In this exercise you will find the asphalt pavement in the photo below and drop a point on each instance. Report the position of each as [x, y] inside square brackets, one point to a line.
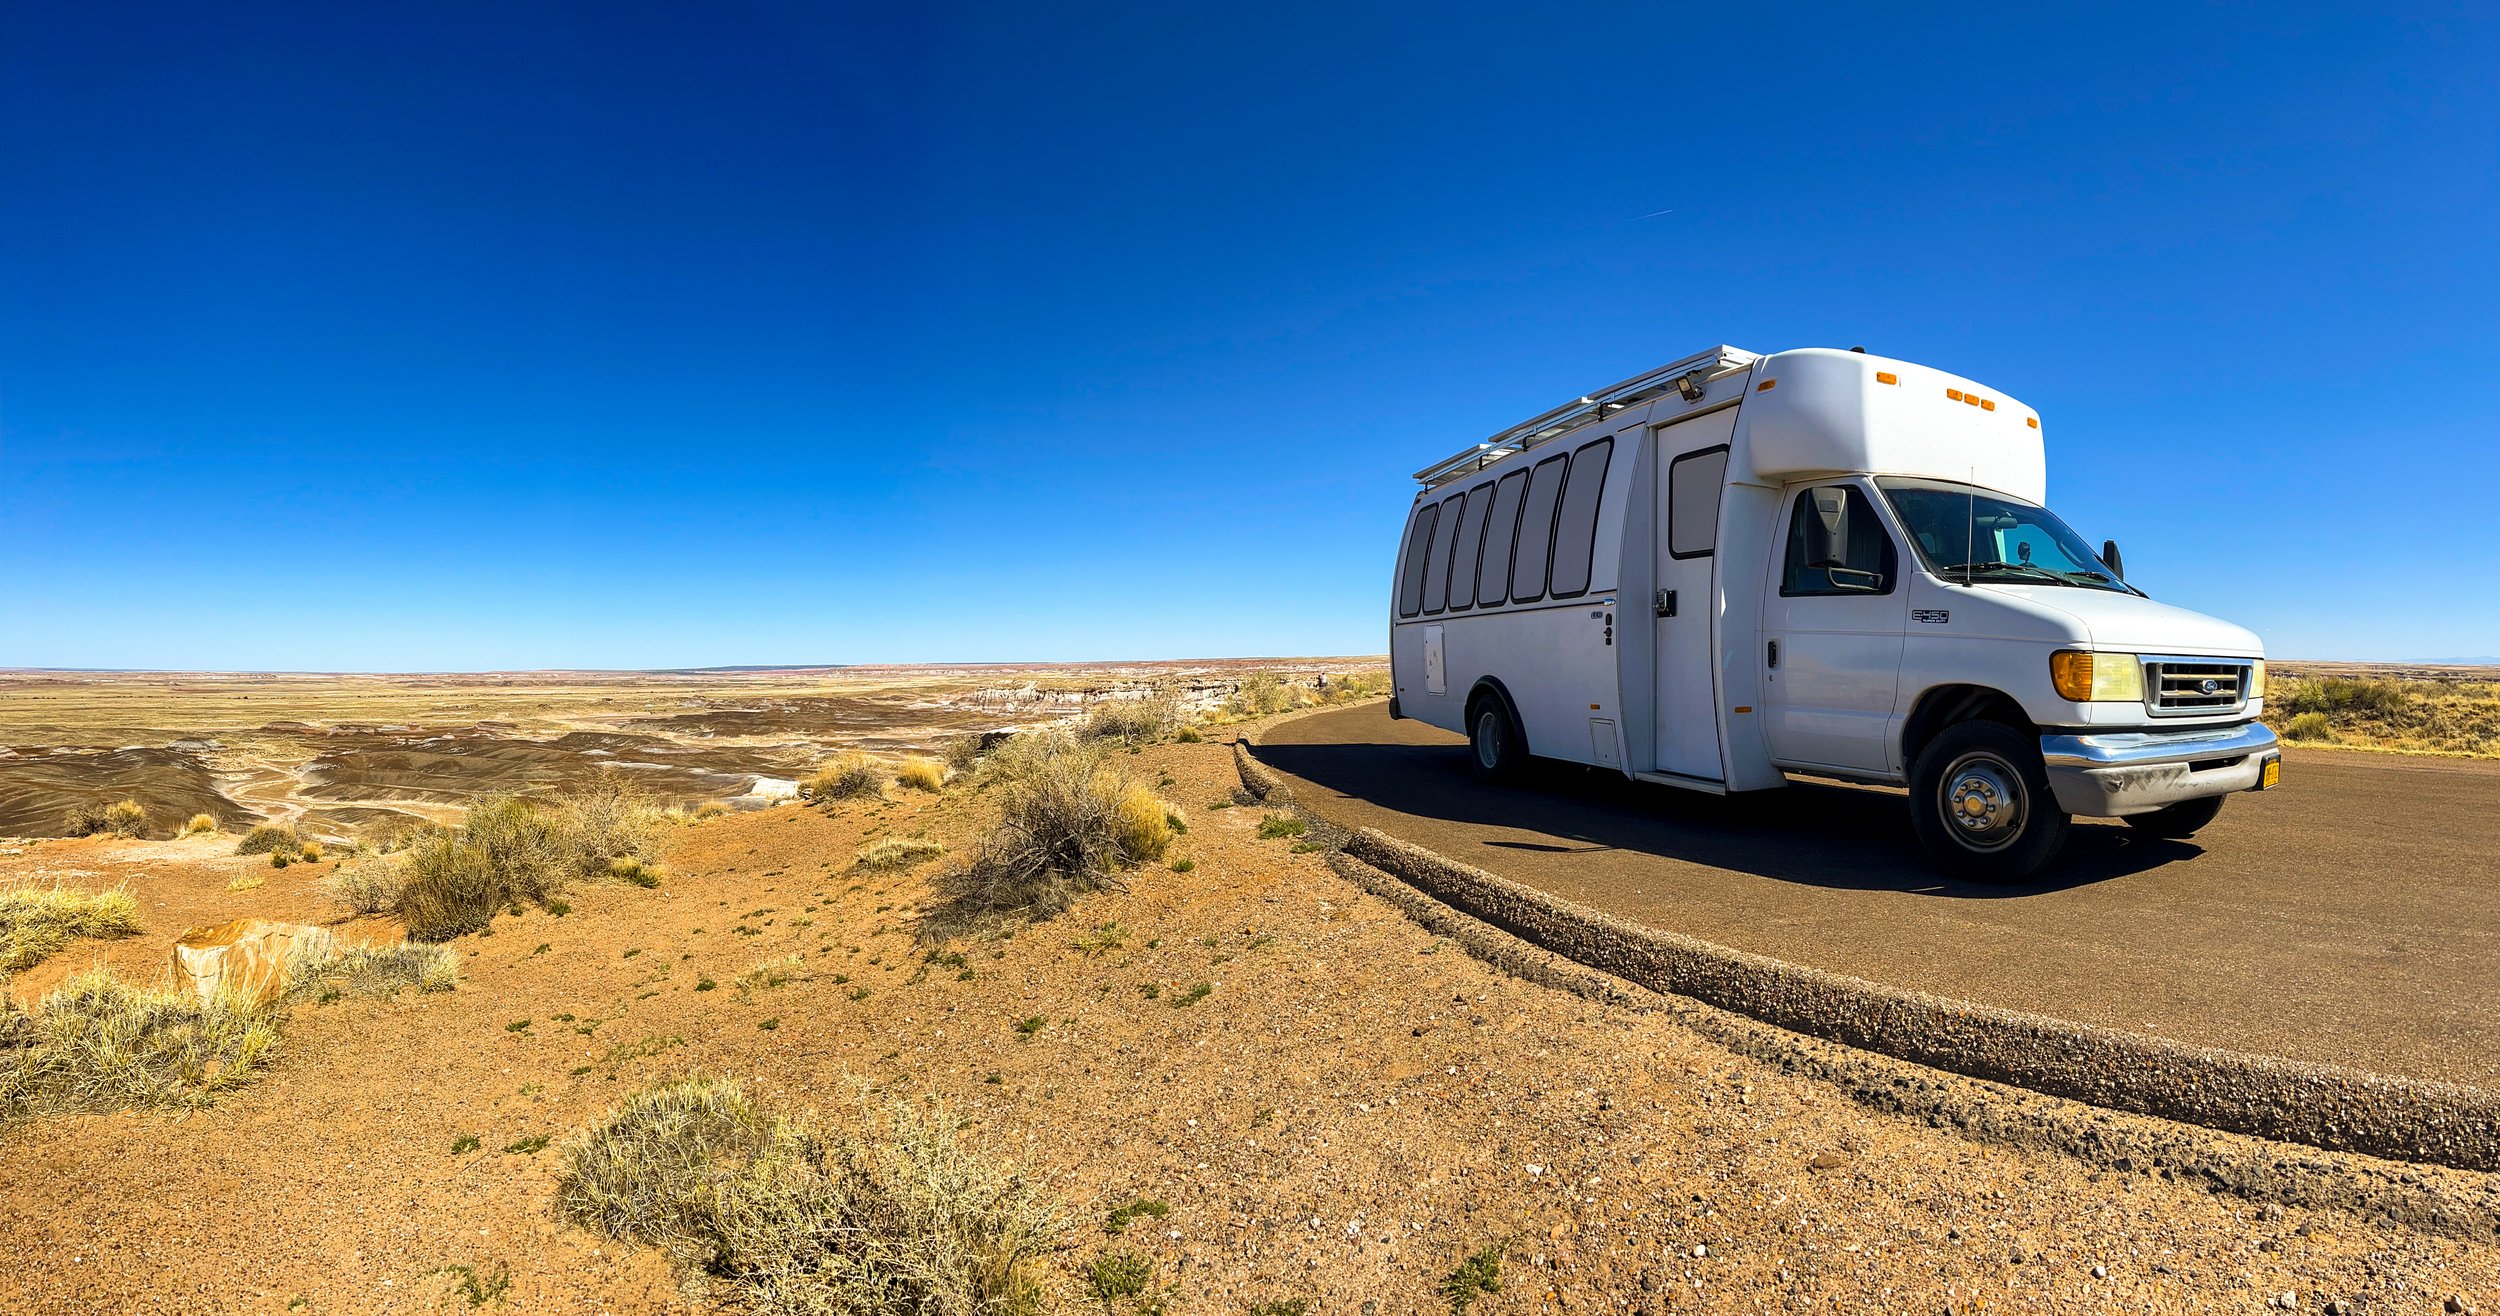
[2350, 916]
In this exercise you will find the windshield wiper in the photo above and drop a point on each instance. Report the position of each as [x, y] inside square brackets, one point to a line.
[1965, 569]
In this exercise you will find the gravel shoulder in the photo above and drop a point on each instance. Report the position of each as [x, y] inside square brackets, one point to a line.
[1353, 1106]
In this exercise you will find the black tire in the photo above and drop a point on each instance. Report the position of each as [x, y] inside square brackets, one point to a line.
[1981, 803]
[1494, 744]
[2179, 821]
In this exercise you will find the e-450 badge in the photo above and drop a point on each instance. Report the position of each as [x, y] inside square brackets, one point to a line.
[1932, 616]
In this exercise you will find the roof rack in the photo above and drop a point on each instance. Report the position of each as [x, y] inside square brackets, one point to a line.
[1687, 376]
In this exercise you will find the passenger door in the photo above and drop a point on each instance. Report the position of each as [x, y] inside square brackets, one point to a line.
[1833, 615]
[1692, 478]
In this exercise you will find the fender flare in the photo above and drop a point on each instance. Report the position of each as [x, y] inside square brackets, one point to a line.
[1491, 686]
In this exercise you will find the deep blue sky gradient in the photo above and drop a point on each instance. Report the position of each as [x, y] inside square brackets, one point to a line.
[608, 335]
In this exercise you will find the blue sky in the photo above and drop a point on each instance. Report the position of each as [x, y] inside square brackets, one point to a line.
[493, 336]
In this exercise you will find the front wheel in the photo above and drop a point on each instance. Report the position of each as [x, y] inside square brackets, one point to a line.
[1492, 741]
[2179, 821]
[1981, 803]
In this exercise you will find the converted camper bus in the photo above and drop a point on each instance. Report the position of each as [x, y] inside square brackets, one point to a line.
[1736, 567]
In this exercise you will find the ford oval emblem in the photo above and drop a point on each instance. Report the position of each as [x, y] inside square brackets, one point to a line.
[2208, 686]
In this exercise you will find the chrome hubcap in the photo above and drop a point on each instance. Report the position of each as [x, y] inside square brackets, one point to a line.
[1489, 740]
[1984, 799]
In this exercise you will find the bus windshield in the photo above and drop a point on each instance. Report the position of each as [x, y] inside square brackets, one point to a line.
[1970, 534]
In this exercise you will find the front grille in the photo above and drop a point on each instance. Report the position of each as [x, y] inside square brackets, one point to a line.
[2180, 686]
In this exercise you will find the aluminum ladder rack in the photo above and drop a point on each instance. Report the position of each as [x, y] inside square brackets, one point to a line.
[1687, 376]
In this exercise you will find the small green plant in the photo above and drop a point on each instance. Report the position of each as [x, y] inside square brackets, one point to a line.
[1184, 865]
[769, 1025]
[1308, 847]
[529, 1146]
[1475, 1277]
[478, 1289]
[1277, 825]
[1117, 1275]
[1120, 1217]
[859, 993]
[647, 1047]
[516, 1025]
[543, 947]
[1196, 993]
[1152, 990]
[559, 907]
[464, 1144]
[1266, 1115]
[1281, 1307]
[1219, 804]
[2312, 725]
[1109, 937]
[633, 872]
[1031, 1024]
[704, 984]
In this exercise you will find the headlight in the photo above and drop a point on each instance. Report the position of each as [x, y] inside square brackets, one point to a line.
[2257, 680]
[2097, 678]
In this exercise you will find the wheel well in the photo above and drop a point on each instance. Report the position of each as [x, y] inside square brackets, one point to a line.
[1948, 704]
[1492, 689]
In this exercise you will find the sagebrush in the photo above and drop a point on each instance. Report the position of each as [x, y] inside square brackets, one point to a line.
[894, 1216]
[1069, 822]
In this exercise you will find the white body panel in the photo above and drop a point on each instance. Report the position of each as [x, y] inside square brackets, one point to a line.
[1598, 677]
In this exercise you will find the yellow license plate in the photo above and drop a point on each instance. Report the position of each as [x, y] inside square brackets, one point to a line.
[2270, 775]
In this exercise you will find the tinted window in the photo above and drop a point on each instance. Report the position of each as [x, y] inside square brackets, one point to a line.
[1493, 571]
[1693, 484]
[1536, 530]
[1868, 563]
[1411, 585]
[1575, 529]
[1470, 543]
[1437, 566]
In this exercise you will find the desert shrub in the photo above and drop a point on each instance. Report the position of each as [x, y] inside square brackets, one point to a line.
[1261, 693]
[365, 886]
[311, 853]
[963, 753]
[633, 872]
[528, 849]
[1133, 721]
[246, 882]
[121, 818]
[1277, 825]
[1068, 824]
[97, 1044]
[1347, 687]
[2311, 725]
[36, 921]
[322, 967]
[271, 838]
[922, 775]
[200, 824]
[449, 886]
[393, 833]
[2336, 694]
[897, 852]
[896, 1217]
[846, 776]
[606, 821]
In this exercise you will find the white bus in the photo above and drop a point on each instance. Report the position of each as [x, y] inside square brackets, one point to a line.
[1737, 567]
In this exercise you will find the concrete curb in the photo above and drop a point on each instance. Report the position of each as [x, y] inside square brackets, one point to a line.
[2321, 1106]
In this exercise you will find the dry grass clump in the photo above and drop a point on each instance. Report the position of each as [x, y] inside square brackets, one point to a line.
[897, 852]
[123, 818]
[201, 824]
[97, 1044]
[962, 753]
[1068, 824]
[848, 775]
[1133, 721]
[2435, 716]
[271, 838]
[921, 775]
[36, 921]
[374, 970]
[1261, 693]
[791, 1218]
[612, 827]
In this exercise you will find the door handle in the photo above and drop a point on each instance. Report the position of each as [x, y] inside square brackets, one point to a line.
[1775, 653]
[1666, 603]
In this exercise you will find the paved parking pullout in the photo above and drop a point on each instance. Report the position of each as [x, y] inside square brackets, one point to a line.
[2351, 917]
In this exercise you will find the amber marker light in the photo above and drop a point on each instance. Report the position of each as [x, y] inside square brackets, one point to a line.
[2090, 678]
[1886, 377]
[1764, 386]
[2032, 421]
[1953, 394]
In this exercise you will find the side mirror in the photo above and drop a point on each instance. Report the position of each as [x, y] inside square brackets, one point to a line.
[1827, 527]
[2109, 558]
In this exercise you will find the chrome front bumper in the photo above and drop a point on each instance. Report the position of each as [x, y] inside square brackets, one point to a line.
[2117, 773]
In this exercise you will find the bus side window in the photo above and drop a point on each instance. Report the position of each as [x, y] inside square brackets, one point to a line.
[1470, 544]
[1437, 566]
[1418, 539]
[1536, 530]
[1575, 530]
[1493, 569]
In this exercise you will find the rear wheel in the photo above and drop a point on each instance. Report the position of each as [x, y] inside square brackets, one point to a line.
[1493, 742]
[1980, 800]
[2177, 822]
